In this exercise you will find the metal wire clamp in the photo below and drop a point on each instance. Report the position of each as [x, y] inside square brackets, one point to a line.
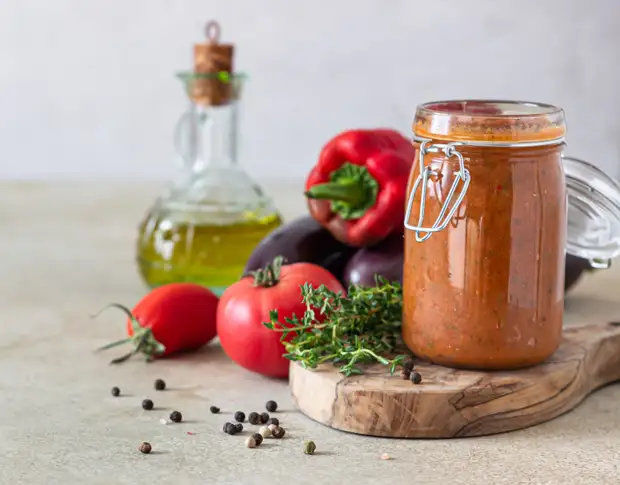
[446, 213]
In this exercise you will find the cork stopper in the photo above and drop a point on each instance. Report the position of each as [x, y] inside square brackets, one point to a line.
[214, 61]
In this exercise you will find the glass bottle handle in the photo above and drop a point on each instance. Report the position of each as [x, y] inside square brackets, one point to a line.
[185, 138]
[594, 212]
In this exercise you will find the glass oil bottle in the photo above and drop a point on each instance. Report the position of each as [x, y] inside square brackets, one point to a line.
[212, 216]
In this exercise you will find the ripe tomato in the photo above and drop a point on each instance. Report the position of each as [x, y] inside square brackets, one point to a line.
[171, 318]
[245, 305]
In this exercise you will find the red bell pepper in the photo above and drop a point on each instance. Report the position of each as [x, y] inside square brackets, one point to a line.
[357, 190]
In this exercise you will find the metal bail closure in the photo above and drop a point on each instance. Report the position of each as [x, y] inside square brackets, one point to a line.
[446, 213]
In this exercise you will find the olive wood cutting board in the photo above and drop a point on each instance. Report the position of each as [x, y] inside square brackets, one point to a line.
[451, 403]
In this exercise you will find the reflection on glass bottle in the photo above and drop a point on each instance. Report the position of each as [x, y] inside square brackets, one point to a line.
[213, 215]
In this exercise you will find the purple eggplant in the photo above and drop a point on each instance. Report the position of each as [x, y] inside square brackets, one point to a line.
[302, 240]
[387, 257]
[575, 268]
[384, 259]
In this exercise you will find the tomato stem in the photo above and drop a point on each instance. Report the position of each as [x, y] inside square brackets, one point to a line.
[114, 344]
[142, 339]
[123, 358]
[269, 275]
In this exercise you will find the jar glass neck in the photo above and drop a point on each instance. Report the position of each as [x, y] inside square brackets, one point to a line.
[214, 136]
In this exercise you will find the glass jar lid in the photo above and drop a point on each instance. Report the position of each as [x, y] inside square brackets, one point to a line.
[593, 213]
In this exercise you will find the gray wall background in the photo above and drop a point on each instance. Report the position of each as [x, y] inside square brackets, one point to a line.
[87, 87]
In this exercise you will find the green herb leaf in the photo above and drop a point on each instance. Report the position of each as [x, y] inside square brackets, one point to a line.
[351, 370]
[362, 327]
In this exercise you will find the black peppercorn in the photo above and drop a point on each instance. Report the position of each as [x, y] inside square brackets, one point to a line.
[271, 406]
[230, 428]
[116, 391]
[145, 447]
[238, 428]
[214, 409]
[405, 373]
[408, 364]
[254, 418]
[277, 432]
[160, 385]
[226, 427]
[240, 416]
[263, 418]
[176, 417]
[258, 438]
[147, 405]
[275, 421]
[416, 378]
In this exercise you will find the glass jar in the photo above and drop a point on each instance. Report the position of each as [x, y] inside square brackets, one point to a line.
[486, 232]
[204, 227]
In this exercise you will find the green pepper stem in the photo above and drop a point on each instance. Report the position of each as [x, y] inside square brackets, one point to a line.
[349, 191]
[352, 191]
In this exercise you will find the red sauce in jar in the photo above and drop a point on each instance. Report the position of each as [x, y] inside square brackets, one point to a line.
[487, 291]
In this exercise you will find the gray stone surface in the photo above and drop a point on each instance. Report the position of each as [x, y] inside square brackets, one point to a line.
[68, 250]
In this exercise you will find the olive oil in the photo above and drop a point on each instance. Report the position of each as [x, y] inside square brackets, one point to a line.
[172, 249]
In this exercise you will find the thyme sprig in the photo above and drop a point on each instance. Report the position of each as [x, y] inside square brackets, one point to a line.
[361, 327]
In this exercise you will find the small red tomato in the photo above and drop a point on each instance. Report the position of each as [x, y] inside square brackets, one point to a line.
[172, 318]
[245, 306]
